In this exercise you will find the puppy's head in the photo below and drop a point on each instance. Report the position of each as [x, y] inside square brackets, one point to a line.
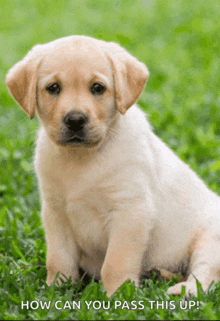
[77, 85]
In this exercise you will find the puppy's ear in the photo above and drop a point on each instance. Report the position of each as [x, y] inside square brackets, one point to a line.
[22, 80]
[130, 76]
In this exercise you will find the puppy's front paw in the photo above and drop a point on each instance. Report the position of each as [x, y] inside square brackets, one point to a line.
[57, 279]
[191, 288]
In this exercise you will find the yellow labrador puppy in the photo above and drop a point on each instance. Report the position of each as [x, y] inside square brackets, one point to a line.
[116, 201]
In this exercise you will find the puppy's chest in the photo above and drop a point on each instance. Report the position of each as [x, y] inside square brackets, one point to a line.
[90, 216]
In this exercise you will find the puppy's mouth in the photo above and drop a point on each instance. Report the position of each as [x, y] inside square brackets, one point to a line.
[79, 141]
[76, 140]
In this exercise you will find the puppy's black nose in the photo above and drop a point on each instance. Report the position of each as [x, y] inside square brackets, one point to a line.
[75, 120]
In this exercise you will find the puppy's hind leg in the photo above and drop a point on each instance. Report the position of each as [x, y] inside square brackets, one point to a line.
[204, 264]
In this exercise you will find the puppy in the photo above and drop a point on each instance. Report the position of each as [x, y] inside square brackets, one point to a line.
[116, 201]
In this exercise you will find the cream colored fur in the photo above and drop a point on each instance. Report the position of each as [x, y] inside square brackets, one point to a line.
[124, 203]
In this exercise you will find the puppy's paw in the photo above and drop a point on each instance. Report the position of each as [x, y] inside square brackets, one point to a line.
[58, 279]
[191, 288]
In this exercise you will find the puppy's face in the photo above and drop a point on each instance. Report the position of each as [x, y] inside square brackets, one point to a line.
[78, 85]
[75, 93]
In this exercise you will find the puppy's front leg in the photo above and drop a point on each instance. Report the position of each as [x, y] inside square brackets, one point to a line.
[62, 251]
[127, 243]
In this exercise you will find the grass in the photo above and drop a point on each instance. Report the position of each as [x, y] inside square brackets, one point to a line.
[179, 42]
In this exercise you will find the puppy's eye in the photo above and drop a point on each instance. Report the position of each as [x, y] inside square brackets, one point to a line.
[54, 88]
[97, 89]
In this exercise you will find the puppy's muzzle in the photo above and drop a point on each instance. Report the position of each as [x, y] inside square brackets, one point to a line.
[74, 126]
